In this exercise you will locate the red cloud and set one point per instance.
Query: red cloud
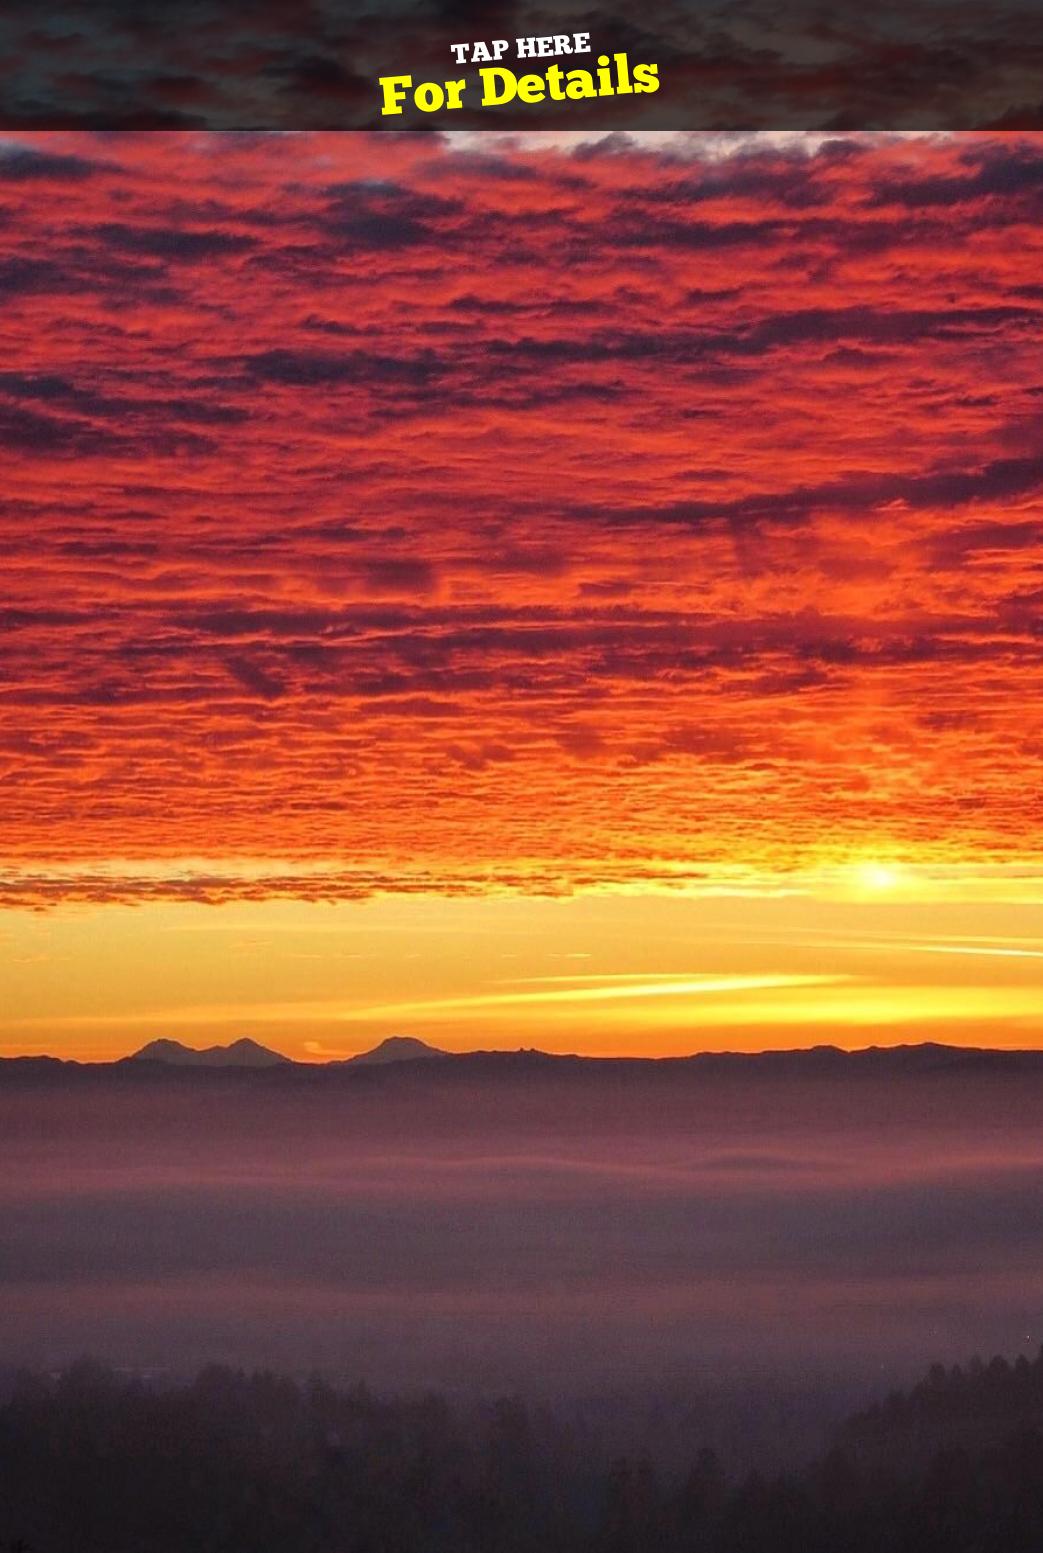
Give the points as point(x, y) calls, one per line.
point(527, 513)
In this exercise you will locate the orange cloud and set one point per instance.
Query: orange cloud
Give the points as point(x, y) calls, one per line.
point(420, 516)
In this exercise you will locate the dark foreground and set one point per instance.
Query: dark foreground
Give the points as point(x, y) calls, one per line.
point(92, 1463)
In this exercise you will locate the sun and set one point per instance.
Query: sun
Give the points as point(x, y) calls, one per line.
point(877, 878)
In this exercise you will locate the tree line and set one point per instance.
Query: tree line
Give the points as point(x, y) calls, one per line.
point(95, 1462)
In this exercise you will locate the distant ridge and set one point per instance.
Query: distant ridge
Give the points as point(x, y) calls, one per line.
point(409, 1056)
point(240, 1054)
point(397, 1048)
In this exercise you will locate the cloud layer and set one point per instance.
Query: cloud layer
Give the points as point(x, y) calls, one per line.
point(530, 515)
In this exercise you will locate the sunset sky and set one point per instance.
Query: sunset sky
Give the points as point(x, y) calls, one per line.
point(520, 592)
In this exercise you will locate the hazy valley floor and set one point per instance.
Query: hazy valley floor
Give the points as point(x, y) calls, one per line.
point(557, 1232)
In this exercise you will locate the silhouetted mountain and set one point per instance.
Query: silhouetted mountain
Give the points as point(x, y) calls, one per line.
point(398, 1048)
point(240, 1054)
point(405, 1059)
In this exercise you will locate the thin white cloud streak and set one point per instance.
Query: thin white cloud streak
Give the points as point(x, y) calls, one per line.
point(607, 990)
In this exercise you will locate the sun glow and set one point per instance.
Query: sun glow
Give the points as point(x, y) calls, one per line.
point(874, 878)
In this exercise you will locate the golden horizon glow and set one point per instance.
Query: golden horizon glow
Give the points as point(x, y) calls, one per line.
point(602, 973)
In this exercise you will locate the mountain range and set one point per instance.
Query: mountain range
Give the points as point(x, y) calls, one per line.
point(246, 1053)
point(240, 1054)
point(408, 1055)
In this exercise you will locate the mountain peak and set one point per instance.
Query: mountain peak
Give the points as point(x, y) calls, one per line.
point(398, 1048)
point(243, 1053)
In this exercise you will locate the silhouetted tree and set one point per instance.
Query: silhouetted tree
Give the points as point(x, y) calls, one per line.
point(233, 1463)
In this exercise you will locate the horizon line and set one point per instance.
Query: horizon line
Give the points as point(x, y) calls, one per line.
point(430, 1051)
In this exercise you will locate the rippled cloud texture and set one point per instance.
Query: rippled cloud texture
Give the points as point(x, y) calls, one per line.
point(413, 514)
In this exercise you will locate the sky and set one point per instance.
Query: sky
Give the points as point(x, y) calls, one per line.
point(573, 592)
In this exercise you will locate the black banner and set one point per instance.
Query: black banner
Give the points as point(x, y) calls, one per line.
point(726, 64)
